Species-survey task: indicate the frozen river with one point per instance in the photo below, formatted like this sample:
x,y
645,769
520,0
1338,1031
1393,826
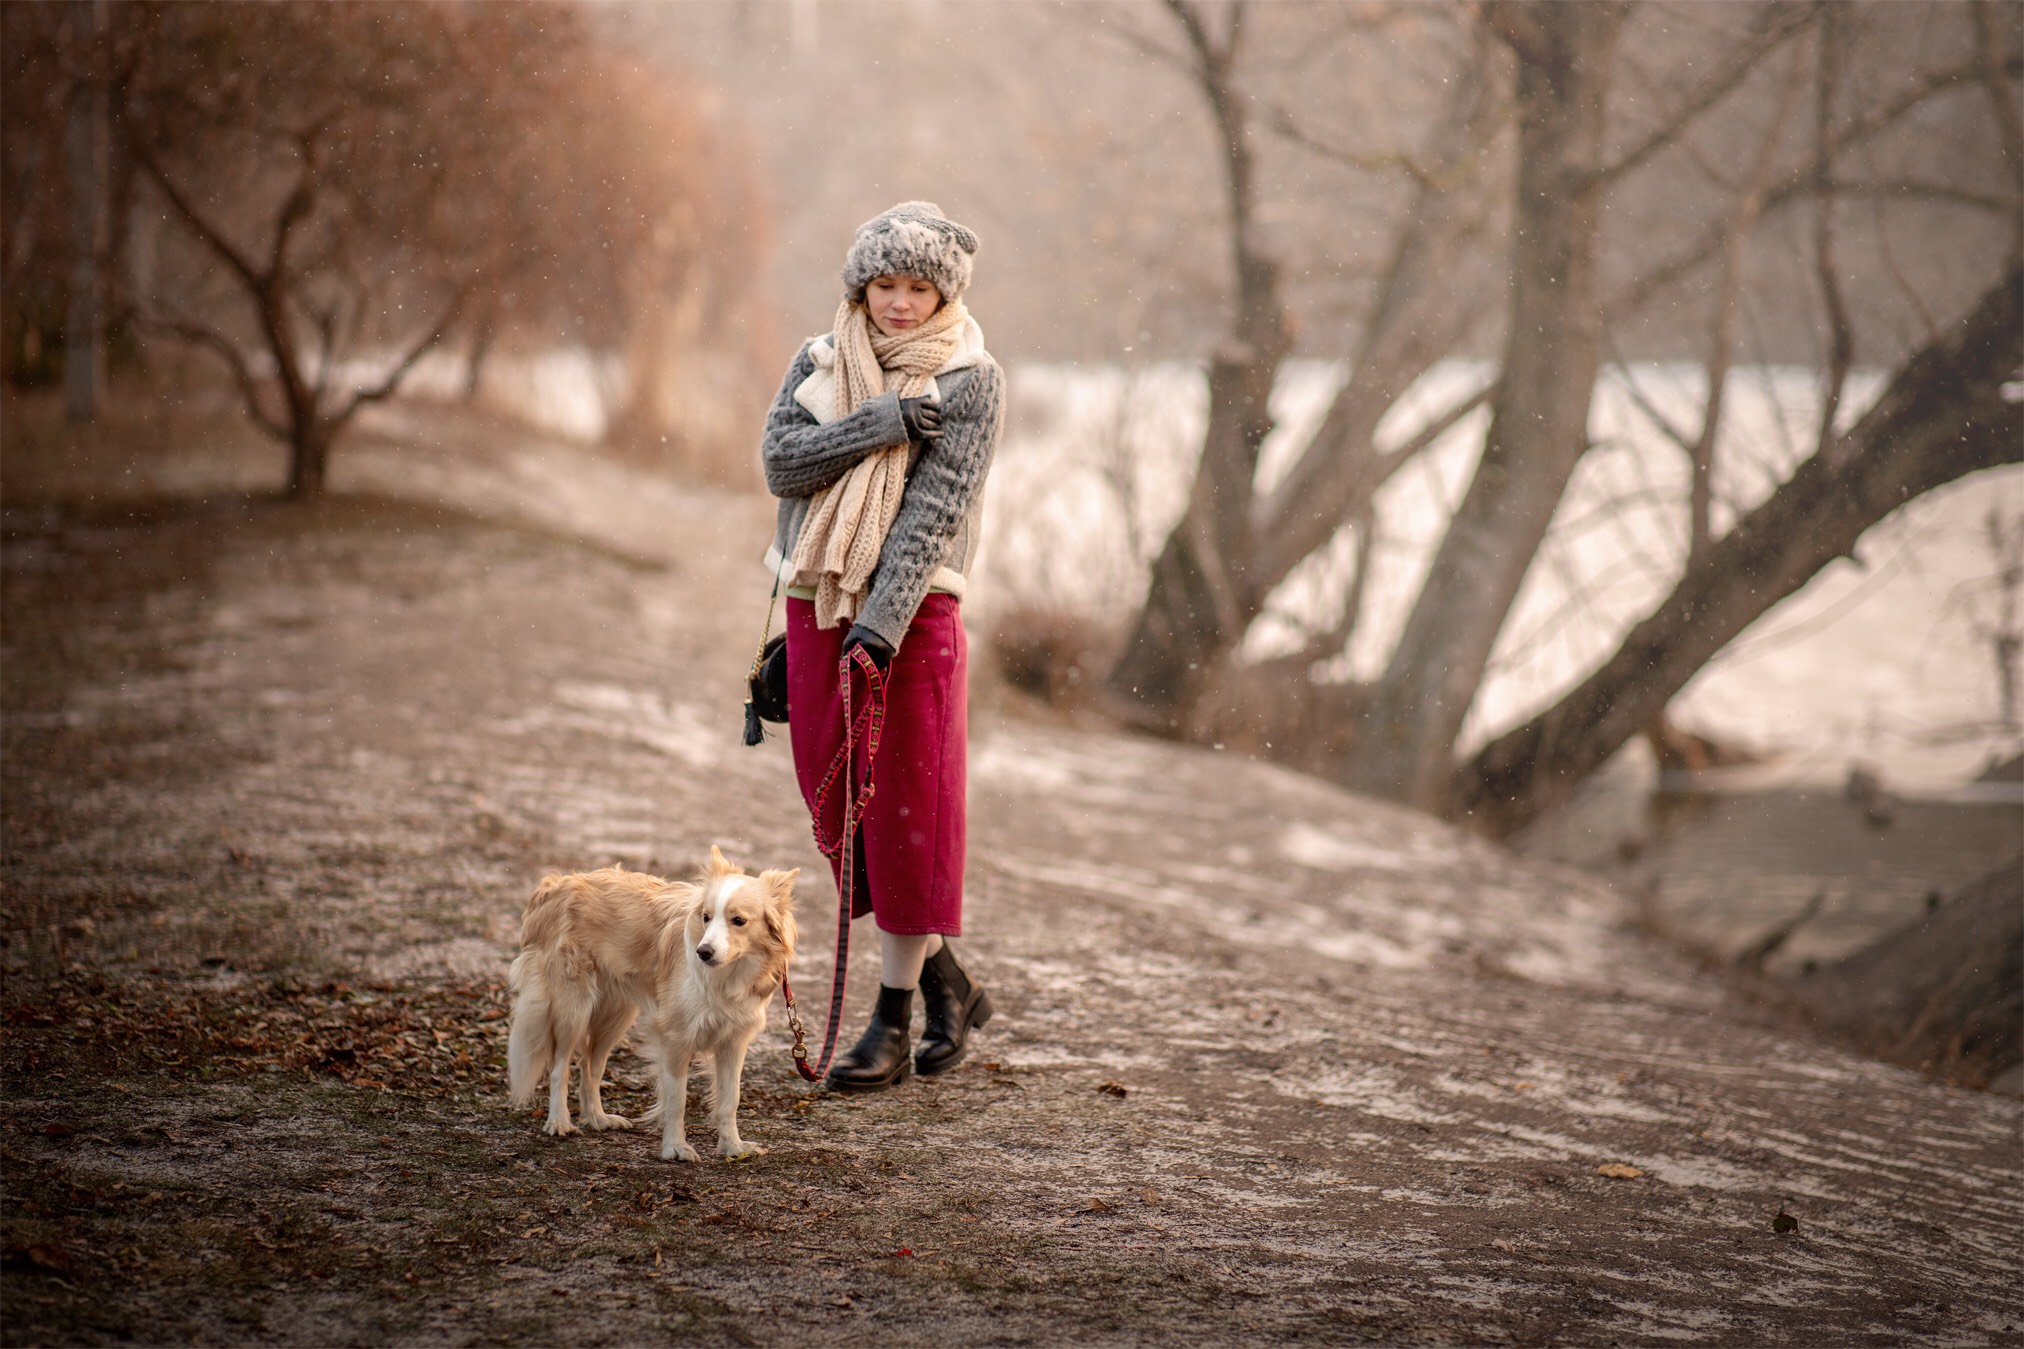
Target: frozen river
x,y
1887,661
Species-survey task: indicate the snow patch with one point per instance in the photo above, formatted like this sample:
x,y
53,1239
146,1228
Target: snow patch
x,y
682,731
1311,846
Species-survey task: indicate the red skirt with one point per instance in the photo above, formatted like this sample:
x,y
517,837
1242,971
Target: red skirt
x,y
911,840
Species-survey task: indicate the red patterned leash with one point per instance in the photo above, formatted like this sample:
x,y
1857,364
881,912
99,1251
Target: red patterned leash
x,y
866,724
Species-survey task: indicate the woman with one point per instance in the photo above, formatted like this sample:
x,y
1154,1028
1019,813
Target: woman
x,y
877,447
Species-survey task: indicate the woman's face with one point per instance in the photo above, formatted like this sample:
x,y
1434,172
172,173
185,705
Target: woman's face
x,y
899,303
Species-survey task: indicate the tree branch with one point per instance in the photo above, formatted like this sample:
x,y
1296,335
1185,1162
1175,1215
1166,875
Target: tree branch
x,y
1943,417
1796,185
235,361
1282,122
1199,41
1840,336
1722,339
1137,41
421,347
211,236
1759,46
1913,189
323,318
1390,463
1359,586
301,201
2003,100
1659,421
1518,27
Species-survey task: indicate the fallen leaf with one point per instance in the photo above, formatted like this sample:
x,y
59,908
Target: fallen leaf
x,y
58,1130
1113,1089
1784,1224
1505,1246
1150,1196
1098,1206
1618,1171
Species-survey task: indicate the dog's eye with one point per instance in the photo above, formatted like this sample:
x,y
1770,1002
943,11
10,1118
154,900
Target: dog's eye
x,y
737,922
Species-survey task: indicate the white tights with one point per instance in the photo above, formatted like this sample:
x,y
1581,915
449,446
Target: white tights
x,y
901,955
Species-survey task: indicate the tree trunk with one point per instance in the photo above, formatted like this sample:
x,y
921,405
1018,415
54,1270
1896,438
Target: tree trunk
x,y
309,457
85,158
1539,416
309,430
1202,595
1943,417
474,363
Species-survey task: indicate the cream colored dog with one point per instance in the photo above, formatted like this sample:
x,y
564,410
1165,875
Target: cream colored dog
x,y
700,960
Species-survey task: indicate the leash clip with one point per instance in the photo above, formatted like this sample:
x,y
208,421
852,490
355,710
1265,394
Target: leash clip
x,y
794,1024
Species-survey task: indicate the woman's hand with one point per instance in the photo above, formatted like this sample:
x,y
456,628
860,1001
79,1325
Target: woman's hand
x,y
923,417
873,644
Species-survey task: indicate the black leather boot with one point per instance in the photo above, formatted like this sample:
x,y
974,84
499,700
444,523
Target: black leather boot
x,y
956,1004
879,1058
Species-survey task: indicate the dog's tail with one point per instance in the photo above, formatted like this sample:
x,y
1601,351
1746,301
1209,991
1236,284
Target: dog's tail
x,y
532,1048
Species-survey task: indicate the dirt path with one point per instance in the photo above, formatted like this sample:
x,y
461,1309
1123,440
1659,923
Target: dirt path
x,y
1273,1064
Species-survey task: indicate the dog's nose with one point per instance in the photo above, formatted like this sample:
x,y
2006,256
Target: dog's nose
x,y
707,954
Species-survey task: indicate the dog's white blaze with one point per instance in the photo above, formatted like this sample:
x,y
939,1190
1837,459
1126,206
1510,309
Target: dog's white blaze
x,y
716,899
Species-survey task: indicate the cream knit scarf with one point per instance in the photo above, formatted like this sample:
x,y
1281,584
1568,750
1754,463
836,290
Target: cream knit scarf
x,y
847,522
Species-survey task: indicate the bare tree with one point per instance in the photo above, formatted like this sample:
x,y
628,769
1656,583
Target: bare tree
x,y
1570,155
355,183
1539,419
1203,595
313,156
1235,544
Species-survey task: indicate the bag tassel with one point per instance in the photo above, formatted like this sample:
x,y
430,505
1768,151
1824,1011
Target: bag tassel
x,y
755,730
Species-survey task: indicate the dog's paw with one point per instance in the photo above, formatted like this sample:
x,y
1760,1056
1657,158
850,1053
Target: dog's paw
x,y
560,1128
606,1122
679,1152
737,1149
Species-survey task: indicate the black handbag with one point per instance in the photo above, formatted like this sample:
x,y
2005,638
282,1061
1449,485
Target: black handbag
x,y
766,689
766,681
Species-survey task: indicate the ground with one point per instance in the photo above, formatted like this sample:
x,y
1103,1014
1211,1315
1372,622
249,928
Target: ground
x,y
1272,1063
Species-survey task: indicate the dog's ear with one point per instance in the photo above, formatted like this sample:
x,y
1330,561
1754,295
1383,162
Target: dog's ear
x,y
720,867
780,886
780,924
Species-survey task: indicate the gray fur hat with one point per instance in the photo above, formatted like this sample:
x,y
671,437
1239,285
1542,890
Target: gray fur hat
x,y
913,238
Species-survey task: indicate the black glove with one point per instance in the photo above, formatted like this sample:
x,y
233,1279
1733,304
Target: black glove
x,y
873,644
923,418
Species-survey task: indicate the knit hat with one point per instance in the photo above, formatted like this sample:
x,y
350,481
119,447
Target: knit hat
x,y
913,238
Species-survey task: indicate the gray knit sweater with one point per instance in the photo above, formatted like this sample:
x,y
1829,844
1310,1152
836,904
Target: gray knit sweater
x,y
934,539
